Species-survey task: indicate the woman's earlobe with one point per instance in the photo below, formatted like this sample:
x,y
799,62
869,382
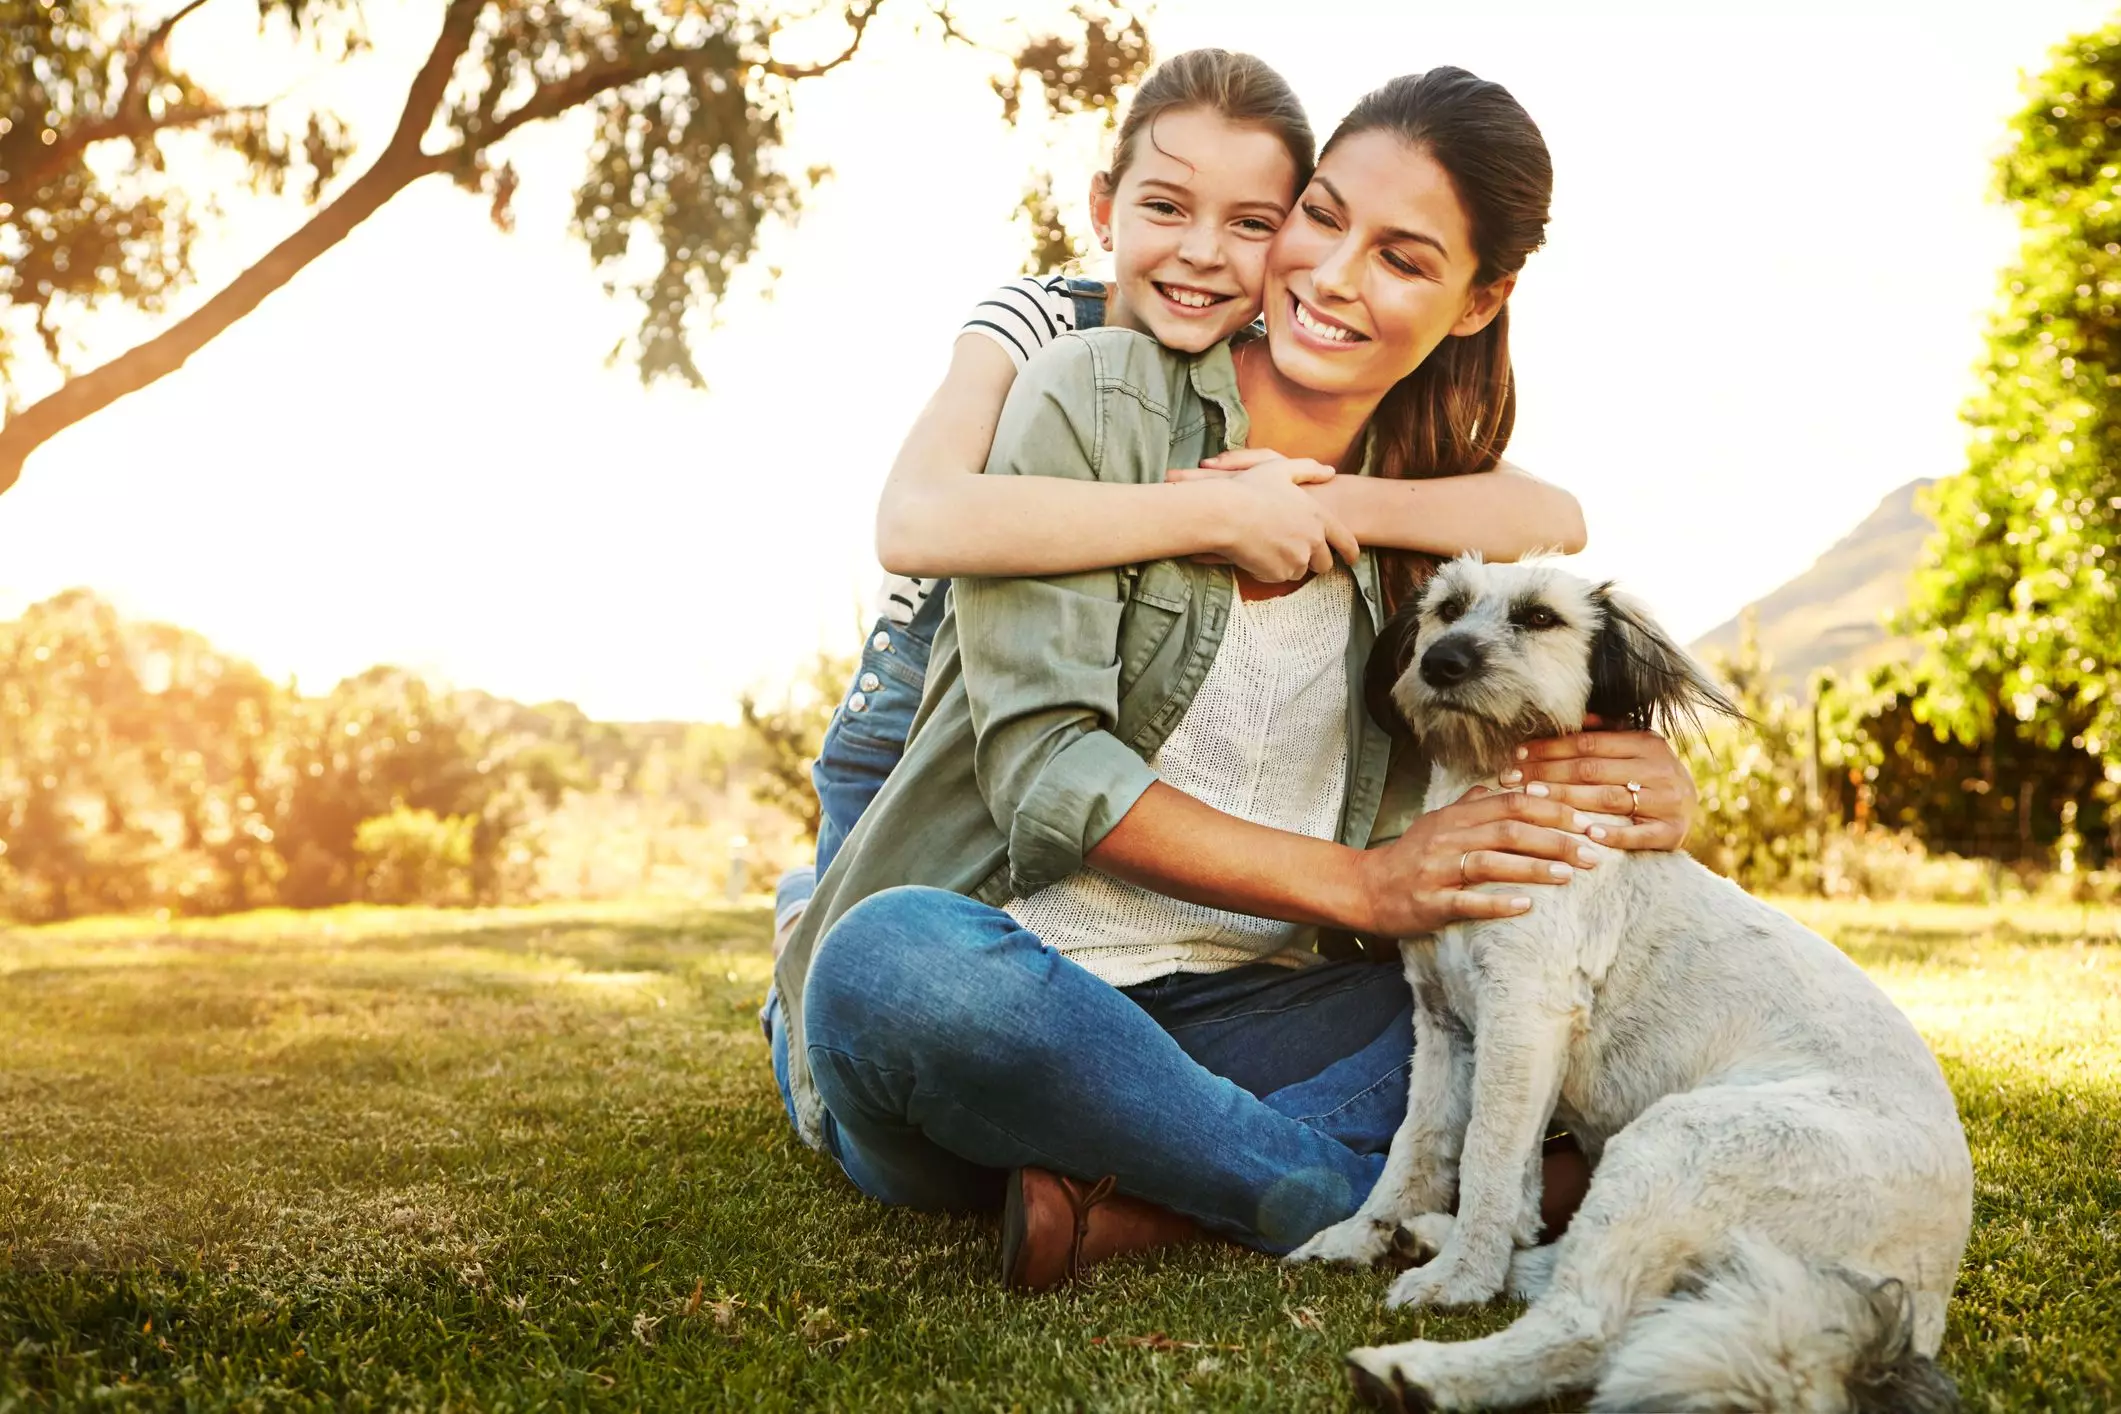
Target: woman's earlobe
x,y
1486,304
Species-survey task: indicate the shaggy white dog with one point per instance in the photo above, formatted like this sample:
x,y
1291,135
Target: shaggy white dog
x,y
1781,1189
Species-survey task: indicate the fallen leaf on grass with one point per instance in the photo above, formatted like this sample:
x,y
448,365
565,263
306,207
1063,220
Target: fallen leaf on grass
x,y
1157,1340
822,1331
1304,1318
692,1306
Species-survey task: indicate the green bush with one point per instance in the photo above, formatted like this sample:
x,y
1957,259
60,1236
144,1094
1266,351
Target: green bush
x,y
415,856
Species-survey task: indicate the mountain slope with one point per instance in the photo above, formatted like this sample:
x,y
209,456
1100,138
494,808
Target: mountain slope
x,y
1832,615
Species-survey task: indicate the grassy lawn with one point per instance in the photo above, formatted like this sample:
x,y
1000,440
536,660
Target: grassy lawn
x,y
377,1158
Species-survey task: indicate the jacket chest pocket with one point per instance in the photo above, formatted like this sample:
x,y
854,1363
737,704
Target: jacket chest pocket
x,y
1161,597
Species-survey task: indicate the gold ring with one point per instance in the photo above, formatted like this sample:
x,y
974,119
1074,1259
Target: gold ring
x,y
1635,794
1462,879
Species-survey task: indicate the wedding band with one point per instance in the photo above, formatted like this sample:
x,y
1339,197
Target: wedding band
x,y
1635,794
1462,879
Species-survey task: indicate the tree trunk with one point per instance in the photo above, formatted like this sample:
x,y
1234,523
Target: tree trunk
x,y
91,392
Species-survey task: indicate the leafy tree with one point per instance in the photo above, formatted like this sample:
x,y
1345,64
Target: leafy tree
x,y
2017,608
134,766
1759,819
142,768
415,856
685,168
69,831
2008,797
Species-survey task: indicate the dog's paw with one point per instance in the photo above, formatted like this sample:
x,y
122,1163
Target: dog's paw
x,y
1447,1282
1388,1377
1419,1240
1357,1242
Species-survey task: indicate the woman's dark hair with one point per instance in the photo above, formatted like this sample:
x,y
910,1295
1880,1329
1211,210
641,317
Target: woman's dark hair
x,y
1239,87
1454,413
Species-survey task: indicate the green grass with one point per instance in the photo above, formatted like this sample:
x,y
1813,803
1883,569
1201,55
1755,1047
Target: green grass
x,y
372,1159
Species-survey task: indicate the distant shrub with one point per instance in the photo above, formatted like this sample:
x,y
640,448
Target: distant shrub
x,y
1891,864
415,856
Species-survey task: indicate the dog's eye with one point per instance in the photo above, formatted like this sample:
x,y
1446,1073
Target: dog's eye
x,y
1450,611
1536,616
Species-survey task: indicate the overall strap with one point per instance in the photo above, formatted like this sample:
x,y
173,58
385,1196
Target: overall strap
x,y
1089,298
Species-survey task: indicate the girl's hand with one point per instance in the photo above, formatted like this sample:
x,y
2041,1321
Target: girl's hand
x,y
1424,879
1276,532
1590,770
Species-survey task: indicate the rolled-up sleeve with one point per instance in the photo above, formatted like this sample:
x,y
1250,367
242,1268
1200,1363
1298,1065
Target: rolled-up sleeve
x,y
1041,654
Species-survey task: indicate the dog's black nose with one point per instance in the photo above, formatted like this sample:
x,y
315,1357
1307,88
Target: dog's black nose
x,y
1449,663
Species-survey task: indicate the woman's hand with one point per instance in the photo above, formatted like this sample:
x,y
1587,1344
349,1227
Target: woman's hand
x,y
1277,532
1424,879
1590,770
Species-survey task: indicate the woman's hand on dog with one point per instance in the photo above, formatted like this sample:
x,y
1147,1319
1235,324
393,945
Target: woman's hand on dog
x,y
1425,879
1590,770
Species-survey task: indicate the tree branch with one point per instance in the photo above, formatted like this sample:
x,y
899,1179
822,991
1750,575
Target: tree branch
x,y
858,18
549,100
134,96
403,161
128,117
432,80
401,164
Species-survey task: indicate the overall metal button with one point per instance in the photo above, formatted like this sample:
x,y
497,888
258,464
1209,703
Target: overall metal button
x,y
871,682
857,703
882,642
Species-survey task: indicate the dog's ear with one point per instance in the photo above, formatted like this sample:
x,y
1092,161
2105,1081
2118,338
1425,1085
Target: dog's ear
x,y
1642,679
1390,657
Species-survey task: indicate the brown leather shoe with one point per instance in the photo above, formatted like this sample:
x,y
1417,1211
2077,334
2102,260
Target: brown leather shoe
x,y
1053,1227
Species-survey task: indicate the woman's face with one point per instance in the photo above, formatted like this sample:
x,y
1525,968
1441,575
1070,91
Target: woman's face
x,y
1189,223
1373,270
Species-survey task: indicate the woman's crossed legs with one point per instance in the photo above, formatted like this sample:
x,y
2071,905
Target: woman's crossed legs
x,y
951,1045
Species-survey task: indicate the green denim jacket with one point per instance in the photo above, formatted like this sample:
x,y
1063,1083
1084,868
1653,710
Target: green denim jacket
x,y
1046,697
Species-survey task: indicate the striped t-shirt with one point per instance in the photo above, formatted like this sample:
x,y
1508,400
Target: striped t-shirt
x,y
1022,317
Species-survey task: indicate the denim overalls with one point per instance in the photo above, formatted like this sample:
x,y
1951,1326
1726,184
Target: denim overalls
x,y
868,732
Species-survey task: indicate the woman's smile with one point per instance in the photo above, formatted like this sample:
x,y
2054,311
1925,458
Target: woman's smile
x,y
1321,330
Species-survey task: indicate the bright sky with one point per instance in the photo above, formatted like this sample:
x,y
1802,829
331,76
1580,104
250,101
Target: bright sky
x,y
1757,313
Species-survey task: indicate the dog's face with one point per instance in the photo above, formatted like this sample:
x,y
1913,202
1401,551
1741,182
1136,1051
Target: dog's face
x,y
1494,655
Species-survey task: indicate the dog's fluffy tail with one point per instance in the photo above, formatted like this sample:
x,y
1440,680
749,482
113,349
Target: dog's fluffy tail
x,y
1765,1330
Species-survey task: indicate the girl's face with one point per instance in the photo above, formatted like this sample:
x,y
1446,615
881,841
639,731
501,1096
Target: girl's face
x,y
1373,270
1189,224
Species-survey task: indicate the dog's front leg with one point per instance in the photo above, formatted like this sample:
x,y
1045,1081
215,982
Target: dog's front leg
x,y
1421,1169
1519,1047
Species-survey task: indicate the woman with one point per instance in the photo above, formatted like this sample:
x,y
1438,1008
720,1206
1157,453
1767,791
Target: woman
x,y
1037,954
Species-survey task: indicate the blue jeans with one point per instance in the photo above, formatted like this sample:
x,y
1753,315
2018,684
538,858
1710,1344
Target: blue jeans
x,y
951,1045
866,738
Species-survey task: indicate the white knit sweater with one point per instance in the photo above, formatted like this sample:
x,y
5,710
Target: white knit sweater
x,y
1265,739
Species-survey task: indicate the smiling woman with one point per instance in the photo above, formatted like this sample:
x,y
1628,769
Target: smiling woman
x,y
1390,289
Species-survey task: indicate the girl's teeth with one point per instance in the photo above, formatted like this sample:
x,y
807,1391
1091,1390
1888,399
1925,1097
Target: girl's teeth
x,y
1323,330
1191,299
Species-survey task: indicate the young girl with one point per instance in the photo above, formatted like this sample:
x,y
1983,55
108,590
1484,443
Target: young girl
x,y
1189,242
